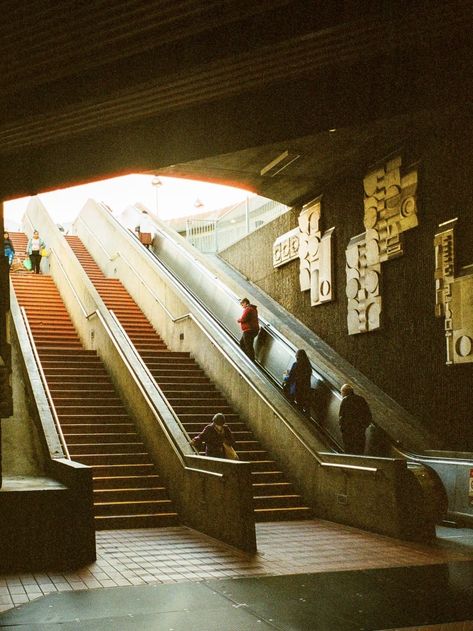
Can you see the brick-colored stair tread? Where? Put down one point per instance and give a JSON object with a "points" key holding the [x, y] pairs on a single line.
{"points": [[96, 426]]}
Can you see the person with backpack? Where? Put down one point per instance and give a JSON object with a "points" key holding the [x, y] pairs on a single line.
{"points": [[354, 418]]}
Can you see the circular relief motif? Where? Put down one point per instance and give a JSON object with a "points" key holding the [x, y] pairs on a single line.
{"points": [[371, 217], [352, 257], [353, 320], [352, 288], [372, 315], [372, 252], [325, 288], [371, 281], [314, 244], [277, 254], [285, 249], [408, 207], [464, 346], [370, 183], [303, 248], [294, 245]]}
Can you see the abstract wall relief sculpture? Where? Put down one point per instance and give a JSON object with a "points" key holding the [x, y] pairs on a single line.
{"points": [[286, 248], [453, 296], [314, 251], [390, 209]]}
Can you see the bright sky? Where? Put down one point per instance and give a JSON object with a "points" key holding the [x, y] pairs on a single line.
{"points": [[176, 197]]}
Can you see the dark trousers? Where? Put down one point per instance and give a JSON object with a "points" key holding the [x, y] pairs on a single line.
{"points": [[35, 258], [354, 440], [247, 342]]}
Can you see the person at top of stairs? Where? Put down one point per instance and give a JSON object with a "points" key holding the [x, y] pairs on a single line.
{"points": [[33, 249]]}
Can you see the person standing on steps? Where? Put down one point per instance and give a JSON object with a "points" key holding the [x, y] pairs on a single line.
{"points": [[354, 418], [249, 324], [218, 439], [33, 249], [8, 248]]}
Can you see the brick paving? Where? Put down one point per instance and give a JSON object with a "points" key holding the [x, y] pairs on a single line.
{"points": [[179, 554]]}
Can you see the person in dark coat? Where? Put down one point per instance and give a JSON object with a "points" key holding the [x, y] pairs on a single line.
{"points": [[354, 417], [297, 384], [8, 248], [214, 436], [249, 324]]}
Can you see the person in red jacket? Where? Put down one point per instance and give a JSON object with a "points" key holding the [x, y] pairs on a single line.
{"points": [[250, 326]]}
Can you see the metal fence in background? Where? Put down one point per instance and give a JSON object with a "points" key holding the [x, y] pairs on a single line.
{"points": [[215, 235]]}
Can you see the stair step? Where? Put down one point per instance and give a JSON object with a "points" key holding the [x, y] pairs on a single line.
{"points": [[130, 494], [89, 429], [121, 470], [151, 480], [132, 507], [105, 448], [95, 438], [93, 409], [128, 522], [277, 501], [109, 459], [283, 514]]}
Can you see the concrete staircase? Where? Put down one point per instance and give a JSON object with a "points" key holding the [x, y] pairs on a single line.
{"points": [[128, 491], [194, 398]]}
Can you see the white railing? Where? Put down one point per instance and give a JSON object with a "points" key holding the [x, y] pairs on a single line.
{"points": [[215, 235]]}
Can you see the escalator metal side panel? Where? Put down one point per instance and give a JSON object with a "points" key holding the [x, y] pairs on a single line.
{"points": [[457, 480], [274, 354]]}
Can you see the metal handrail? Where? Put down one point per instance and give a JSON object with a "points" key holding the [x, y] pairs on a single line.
{"points": [[148, 372], [45, 383], [138, 381], [76, 295]]}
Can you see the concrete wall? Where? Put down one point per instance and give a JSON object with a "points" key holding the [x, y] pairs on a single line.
{"points": [[45, 500], [22, 450], [406, 357]]}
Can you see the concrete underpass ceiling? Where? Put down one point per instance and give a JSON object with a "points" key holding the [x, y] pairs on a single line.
{"points": [[313, 161], [97, 90]]}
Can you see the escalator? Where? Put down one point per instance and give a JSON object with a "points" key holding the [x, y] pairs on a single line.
{"points": [[128, 491], [194, 398]]}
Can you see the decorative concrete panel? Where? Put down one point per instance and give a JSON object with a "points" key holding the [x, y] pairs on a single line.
{"points": [[390, 208], [315, 255], [314, 251], [286, 248], [453, 296]]}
